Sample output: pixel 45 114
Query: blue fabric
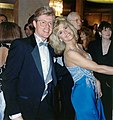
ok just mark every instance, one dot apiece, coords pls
pixel 84 97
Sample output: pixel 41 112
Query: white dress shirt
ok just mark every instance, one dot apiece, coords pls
pixel 44 56
pixel 45 62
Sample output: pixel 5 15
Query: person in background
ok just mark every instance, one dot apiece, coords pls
pixel 86 93
pixel 3 18
pixel 28 29
pixel 29 78
pixel 102 53
pixel 8 32
pixel 75 19
pixel 95 28
pixel 85 37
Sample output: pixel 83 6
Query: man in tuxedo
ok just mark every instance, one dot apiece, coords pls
pixel 29 78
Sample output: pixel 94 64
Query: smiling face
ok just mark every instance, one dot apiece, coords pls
pixel 106 33
pixel 64 32
pixel 83 36
pixel 43 26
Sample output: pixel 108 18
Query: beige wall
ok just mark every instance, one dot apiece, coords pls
pixel 26 8
pixel 93 18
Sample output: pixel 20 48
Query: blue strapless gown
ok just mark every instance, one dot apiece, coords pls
pixel 87 104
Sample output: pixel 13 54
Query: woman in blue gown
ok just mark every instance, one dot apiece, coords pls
pixel 86 91
pixel 84 96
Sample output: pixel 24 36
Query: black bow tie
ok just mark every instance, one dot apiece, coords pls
pixel 43 43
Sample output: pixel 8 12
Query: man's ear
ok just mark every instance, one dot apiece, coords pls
pixel 34 23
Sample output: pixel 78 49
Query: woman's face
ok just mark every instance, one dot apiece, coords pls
pixel 65 33
pixel 82 36
pixel 106 33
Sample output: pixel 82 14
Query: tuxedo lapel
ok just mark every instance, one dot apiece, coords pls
pixel 36 57
pixel 52 65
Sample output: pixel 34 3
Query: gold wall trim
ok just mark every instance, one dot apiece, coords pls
pixel 101 1
pixel 6 6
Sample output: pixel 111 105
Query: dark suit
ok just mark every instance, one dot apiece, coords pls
pixel 23 82
pixel 64 88
pixel 95 49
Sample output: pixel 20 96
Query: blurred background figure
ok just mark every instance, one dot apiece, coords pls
pixel 75 19
pixel 29 30
pixel 95 27
pixel 8 32
pixel 3 18
pixel 85 37
pixel 101 52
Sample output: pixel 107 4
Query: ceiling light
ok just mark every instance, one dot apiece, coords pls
pixel 57 5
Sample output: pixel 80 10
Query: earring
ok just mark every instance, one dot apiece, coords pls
pixel 61 40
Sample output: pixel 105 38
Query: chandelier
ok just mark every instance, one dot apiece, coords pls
pixel 101 1
pixel 57 5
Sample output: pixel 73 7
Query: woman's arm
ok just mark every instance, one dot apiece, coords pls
pixel 75 59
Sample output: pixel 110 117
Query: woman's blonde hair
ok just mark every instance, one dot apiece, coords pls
pixel 57 44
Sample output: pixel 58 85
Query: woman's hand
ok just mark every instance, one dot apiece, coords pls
pixel 98 84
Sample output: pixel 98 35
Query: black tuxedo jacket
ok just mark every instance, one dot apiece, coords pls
pixel 23 82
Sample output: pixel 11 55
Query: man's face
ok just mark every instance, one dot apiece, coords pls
pixel 44 26
pixel 2 19
pixel 76 22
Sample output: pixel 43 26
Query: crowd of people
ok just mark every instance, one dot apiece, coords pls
pixel 61 69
